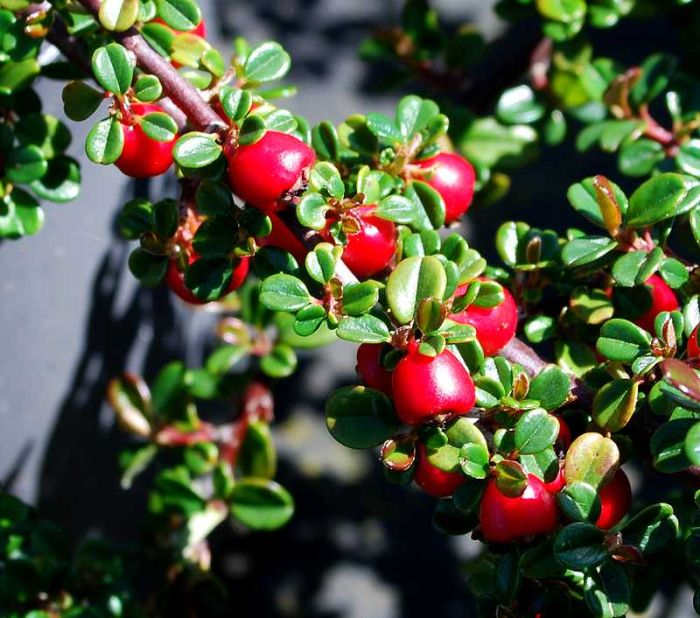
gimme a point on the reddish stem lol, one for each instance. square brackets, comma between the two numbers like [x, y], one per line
[176, 87]
[656, 132]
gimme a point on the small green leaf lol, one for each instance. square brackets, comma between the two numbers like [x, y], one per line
[159, 127]
[147, 88]
[113, 67]
[182, 15]
[358, 298]
[550, 387]
[284, 293]
[414, 279]
[118, 15]
[209, 278]
[105, 141]
[266, 62]
[587, 249]
[607, 591]
[656, 73]
[519, 106]
[363, 329]
[535, 431]
[80, 101]
[592, 459]
[252, 129]
[147, 268]
[25, 164]
[196, 150]
[261, 504]
[61, 182]
[280, 362]
[656, 199]
[622, 341]
[580, 546]
[615, 403]
[653, 529]
[580, 502]
[360, 417]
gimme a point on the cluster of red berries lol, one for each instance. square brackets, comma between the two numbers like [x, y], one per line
[426, 389]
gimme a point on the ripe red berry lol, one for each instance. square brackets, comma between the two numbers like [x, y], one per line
[503, 519]
[564, 437]
[453, 178]
[431, 479]
[283, 238]
[425, 387]
[495, 326]
[557, 484]
[615, 500]
[370, 249]
[261, 173]
[370, 369]
[693, 346]
[141, 156]
[662, 299]
[175, 280]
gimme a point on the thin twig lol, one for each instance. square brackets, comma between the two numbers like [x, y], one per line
[177, 88]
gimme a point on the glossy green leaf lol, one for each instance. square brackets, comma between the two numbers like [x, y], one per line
[580, 546]
[607, 591]
[147, 88]
[266, 62]
[414, 279]
[80, 101]
[535, 431]
[360, 417]
[196, 150]
[118, 15]
[180, 15]
[656, 199]
[615, 403]
[580, 502]
[261, 504]
[147, 268]
[591, 458]
[550, 387]
[587, 249]
[363, 329]
[622, 341]
[284, 293]
[113, 68]
[159, 126]
[105, 141]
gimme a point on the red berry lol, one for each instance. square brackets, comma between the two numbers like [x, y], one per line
[282, 238]
[175, 280]
[557, 484]
[615, 500]
[425, 386]
[505, 519]
[141, 156]
[370, 249]
[370, 369]
[261, 173]
[564, 437]
[662, 299]
[431, 479]
[453, 178]
[693, 346]
[495, 326]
